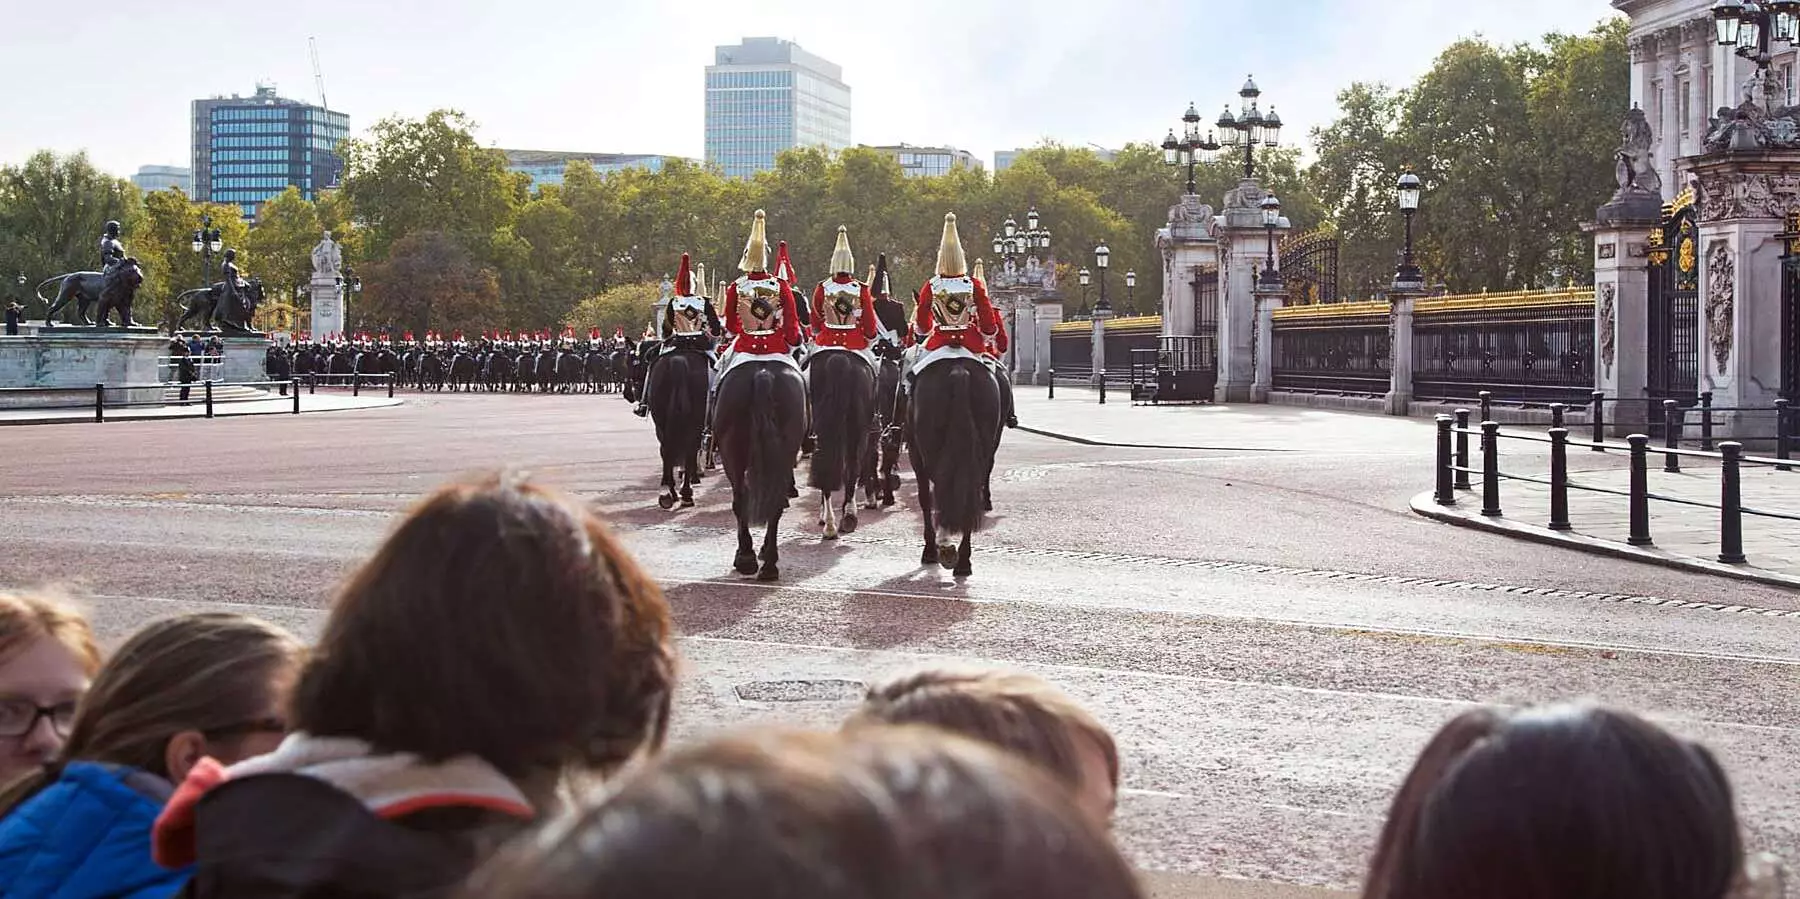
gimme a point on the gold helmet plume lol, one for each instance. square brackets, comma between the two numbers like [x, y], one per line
[756, 251]
[951, 263]
[701, 288]
[980, 271]
[842, 262]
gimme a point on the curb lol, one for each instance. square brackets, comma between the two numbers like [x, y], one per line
[383, 403]
[1425, 504]
[1084, 441]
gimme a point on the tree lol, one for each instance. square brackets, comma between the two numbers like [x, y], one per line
[430, 281]
[164, 243]
[1354, 173]
[1580, 81]
[628, 306]
[279, 248]
[430, 174]
[52, 211]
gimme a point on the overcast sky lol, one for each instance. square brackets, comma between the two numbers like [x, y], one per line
[612, 76]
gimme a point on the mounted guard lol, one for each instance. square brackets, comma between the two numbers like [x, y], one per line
[841, 385]
[689, 323]
[892, 338]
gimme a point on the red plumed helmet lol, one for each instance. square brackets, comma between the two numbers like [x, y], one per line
[684, 278]
[784, 267]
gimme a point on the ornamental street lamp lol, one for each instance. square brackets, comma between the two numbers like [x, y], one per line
[1407, 278]
[1101, 257]
[1086, 277]
[1250, 128]
[1750, 26]
[1271, 210]
[1131, 289]
[1015, 245]
[1185, 150]
[206, 242]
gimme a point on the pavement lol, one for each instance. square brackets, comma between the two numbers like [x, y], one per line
[1272, 636]
[274, 404]
[1685, 535]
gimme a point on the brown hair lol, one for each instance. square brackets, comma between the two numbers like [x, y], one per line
[1562, 802]
[1013, 710]
[499, 620]
[209, 672]
[903, 811]
[26, 618]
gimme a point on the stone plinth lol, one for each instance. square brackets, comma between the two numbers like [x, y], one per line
[244, 357]
[1744, 199]
[327, 307]
[1243, 243]
[1186, 246]
[1621, 304]
[74, 359]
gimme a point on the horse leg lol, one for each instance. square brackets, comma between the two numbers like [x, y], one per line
[667, 500]
[689, 474]
[745, 562]
[827, 516]
[930, 555]
[849, 511]
[771, 554]
[963, 568]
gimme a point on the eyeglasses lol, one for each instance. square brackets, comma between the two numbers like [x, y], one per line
[19, 716]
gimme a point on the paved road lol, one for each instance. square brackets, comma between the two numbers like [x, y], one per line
[1273, 635]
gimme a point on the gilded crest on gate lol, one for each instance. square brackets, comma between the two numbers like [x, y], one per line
[1686, 257]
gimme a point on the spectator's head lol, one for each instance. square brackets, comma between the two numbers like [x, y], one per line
[903, 811]
[1012, 710]
[1561, 802]
[499, 620]
[47, 658]
[211, 684]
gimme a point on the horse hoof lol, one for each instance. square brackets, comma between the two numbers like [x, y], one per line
[987, 505]
[849, 524]
[946, 554]
[745, 563]
[828, 535]
[687, 502]
[930, 555]
[769, 573]
[964, 570]
[666, 501]
[887, 502]
[893, 482]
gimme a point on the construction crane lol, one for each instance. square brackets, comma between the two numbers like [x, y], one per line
[318, 73]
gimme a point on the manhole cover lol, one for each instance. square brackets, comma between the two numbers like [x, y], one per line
[827, 689]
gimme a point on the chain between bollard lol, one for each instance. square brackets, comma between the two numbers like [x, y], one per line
[1671, 418]
[1490, 469]
[1446, 491]
[1462, 450]
[1559, 480]
[1640, 490]
[1731, 507]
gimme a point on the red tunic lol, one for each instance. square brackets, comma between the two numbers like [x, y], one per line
[971, 339]
[998, 341]
[782, 341]
[856, 338]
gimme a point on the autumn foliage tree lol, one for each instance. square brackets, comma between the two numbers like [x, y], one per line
[429, 282]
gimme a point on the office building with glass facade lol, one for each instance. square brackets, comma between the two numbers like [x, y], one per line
[929, 162]
[152, 178]
[547, 167]
[766, 95]
[248, 149]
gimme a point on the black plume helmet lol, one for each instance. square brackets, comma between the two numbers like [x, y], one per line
[879, 284]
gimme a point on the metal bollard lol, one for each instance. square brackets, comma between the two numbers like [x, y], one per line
[99, 403]
[295, 383]
[1446, 492]
[1487, 405]
[209, 401]
[1103, 388]
[1559, 480]
[1597, 412]
[312, 383]
[1671, 419]
[1052, 384]
[1640, 489]
[390, 380]
[1462, 450]
[1557, 411]
[1490, 469]
[1784, 429]
[356, 384]
[1706, 424]
[1731, 504]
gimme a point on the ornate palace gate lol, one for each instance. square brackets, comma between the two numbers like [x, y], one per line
[1673, 341]
[1309, 268]
[1790, 314]
[1187, 367]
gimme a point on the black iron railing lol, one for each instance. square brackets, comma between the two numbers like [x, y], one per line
[1541, 353]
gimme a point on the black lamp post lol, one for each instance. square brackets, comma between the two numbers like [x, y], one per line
[1086, 277]
[208, 241]
[1407, 277]
[20, 296]
[1102, 255]
[1016, 244]
[1250, 128]
[1751, 26]
[1131, 289]
[1271, 210]
[1185, 150]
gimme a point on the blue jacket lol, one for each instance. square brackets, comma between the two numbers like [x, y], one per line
[87, 836]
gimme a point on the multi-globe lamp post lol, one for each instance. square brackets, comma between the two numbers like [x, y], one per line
[1186, 149]
[1751, 26]
[1015, 244]
[207, 242]
[1017, 248]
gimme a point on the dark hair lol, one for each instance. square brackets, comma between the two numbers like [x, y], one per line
[499, 620]
[1567, 801]
[902, 811]
[1019, 712]
[209, 672]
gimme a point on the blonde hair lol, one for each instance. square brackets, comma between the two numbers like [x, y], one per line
[1018, 712]
[26, 618]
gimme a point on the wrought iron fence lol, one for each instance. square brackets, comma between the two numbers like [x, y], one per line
[1338, 349]
[1524, 348]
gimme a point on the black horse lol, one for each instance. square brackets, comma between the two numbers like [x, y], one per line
[953, 431]
[497, 371]
[569, 370]
[843, 404]
[278, 365]
[881, 461]
[759, 423]
[462, 371]
[678, 386]
[595, 367]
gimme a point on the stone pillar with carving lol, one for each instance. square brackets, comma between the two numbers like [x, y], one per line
[1183, 245]
[1400, 353]
[1744, 199]
[1263, 343]
[1242, 242]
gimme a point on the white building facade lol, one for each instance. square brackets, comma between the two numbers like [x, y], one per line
[766, 95]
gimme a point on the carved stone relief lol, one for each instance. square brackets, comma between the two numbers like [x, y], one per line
[1609, 326]
[1721, 300]
[1608, 250]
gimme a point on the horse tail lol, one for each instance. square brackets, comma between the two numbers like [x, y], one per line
[769, 475]
[958, 470]
[675, 385]
[831, 403]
